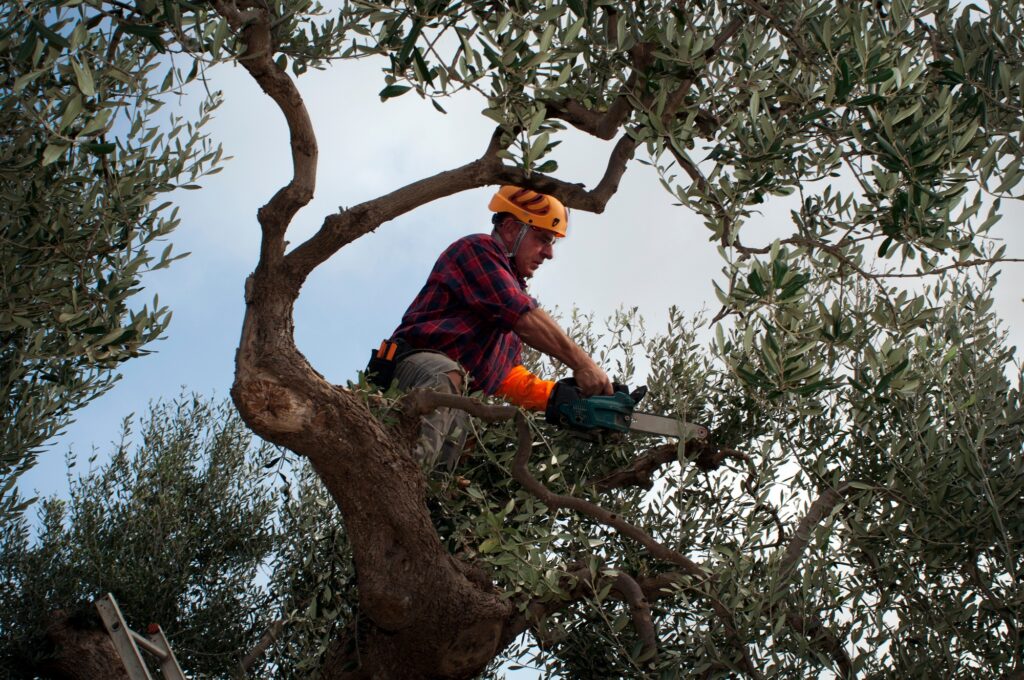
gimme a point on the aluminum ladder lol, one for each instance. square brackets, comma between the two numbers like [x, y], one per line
[130, 645]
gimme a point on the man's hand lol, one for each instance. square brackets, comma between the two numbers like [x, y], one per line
[538, 330]
[592, 380]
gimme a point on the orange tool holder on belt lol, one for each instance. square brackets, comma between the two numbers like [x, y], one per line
[380, 371]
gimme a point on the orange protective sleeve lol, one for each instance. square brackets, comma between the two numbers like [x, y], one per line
[523, 388]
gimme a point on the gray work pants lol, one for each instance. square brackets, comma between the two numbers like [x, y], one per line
[443, 434]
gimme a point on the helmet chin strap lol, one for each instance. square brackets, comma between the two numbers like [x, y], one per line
[519, 240]
[510, 253]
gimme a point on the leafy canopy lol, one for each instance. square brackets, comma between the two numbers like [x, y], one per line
[177, 525]
[863, 514]
[87, 159]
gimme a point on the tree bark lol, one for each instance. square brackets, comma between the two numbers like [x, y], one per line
[82, 650]
[425, 617]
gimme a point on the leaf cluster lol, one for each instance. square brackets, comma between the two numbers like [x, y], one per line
[86, 157]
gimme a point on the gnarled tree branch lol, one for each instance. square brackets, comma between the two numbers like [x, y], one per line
[639, 472]
[253, 26]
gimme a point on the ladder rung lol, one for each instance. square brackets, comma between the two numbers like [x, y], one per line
[148, 645]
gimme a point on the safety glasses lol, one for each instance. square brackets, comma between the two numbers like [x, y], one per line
[545, 237]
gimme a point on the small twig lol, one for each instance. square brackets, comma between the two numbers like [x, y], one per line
[521, 473]
[268, 638]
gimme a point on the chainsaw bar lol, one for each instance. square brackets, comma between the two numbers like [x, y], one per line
[614, 413]
[666, 427]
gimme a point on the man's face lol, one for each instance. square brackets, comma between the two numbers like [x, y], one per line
[537, 246]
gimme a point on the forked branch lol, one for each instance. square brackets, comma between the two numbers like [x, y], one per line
[639, 472]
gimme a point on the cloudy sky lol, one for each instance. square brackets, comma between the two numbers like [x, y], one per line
[641, 252]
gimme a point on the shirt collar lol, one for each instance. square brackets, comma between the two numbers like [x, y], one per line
[520, 279]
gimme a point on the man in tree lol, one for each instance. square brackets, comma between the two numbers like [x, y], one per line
[473, 315]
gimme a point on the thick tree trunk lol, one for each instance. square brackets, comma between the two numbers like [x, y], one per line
[82, 650]
[428, 615]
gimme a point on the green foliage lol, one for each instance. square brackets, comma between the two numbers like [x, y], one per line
[886, 128]
[176, 527]
[85, 157]
[915, 569]
[312, 577]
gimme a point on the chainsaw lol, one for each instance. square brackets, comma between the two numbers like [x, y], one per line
[615, 413]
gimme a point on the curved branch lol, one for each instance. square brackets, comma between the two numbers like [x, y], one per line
[253, 26]
[420, 402]
[521, 473]
[605, 125]
[342, 228]
[575, 195]
[820, 509]
[640, 611]
[639, 472]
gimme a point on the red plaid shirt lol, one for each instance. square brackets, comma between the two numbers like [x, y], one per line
[467, 309]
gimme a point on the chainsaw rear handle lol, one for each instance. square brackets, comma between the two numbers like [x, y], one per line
[567, 407]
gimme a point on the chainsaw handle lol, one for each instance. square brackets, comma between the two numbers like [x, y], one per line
[567, 407]
[564, 392]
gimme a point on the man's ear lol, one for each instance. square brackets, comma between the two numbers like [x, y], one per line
[502, 229]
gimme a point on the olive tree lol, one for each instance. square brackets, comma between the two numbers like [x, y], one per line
[85, 156]
[857, 509]
[176, 524]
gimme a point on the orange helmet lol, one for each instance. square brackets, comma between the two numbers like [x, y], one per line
[529, 207]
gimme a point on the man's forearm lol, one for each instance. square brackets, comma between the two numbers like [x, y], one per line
[538, 330]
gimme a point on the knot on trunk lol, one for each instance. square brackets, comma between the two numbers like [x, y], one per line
[271, 407]
[469, 652]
